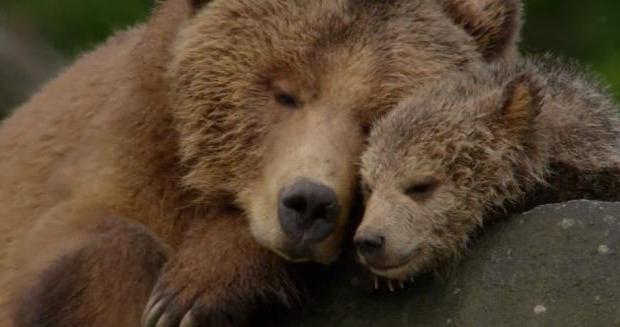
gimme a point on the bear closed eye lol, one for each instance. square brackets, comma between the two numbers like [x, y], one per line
[422, 187]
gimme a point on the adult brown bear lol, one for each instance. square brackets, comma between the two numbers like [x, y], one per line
[161, 144]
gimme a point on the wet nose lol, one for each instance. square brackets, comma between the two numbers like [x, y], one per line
[308, 211]
[369, 245]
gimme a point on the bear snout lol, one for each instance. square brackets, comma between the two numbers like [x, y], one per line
[307, 212]
[369, 245]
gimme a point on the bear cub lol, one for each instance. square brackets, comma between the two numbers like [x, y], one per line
[505, 135]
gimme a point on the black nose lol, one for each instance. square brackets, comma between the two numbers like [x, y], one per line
[308, 211]
[369, 245]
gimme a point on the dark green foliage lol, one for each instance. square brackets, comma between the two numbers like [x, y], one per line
[588, 31]
[72, 26]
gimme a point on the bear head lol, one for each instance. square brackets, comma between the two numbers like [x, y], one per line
[440, 161]
[272, 99]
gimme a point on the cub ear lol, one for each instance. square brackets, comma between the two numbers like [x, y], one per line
[522, 103]
[495, 25]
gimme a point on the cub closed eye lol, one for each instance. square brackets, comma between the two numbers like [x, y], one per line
[366, 129]
[286, 100]
[422, 187]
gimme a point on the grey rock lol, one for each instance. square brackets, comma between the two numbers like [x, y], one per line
[556, 265]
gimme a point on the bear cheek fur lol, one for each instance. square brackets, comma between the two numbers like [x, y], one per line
[219, 114]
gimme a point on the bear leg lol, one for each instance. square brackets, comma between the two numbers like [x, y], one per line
[106, 281]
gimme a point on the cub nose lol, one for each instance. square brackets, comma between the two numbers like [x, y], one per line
[308, 211]
[369, 245]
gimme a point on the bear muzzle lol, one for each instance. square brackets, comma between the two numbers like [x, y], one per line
[307, 212]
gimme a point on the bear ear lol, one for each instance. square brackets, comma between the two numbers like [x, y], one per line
[494, 24]
[522, 103]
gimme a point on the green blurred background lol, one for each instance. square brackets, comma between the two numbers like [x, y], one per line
[44, 35]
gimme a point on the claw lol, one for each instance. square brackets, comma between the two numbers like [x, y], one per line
[188, 320]
[153, 314]
[164, 321]
[148, 306]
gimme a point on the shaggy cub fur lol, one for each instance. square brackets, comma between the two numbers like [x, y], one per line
[442, 163]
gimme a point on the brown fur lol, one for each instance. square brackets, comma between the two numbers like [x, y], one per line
[492, 23]
[173, 125]
[238, 275]
[120, 256]
[497, 137]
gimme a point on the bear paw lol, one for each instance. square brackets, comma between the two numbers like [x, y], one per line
[189, 306]
[218, 277]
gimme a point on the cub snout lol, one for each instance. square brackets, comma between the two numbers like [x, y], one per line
[370, 246]
[307, 212]
[389, 255]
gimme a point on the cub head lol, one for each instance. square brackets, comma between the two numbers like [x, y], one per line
[438, 162]
[272, 99]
